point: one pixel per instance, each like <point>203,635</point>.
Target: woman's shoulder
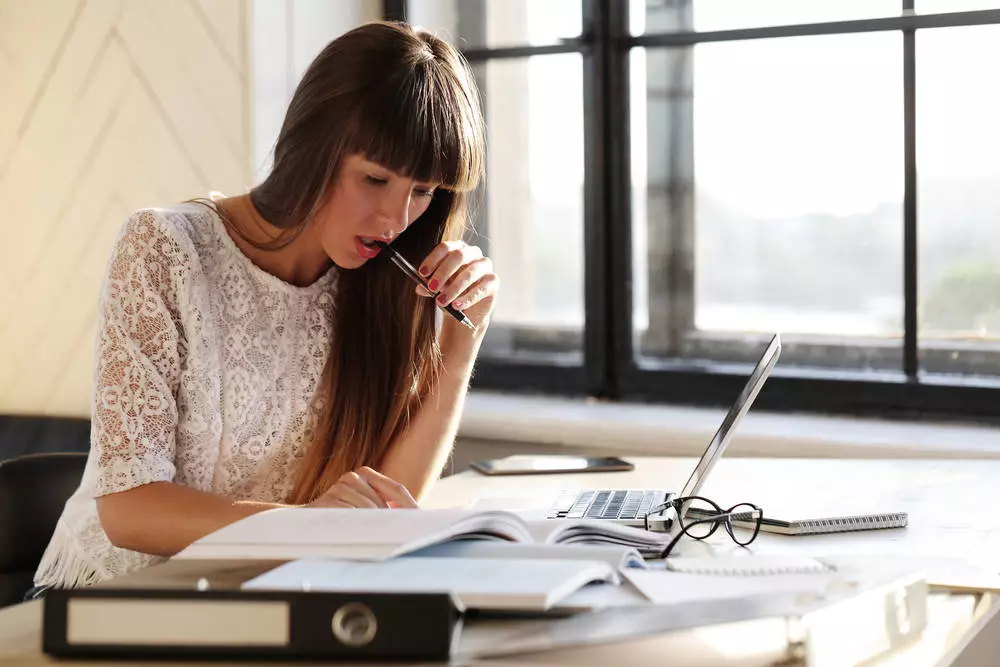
<point>178,229</point>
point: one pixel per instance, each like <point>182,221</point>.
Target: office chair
<point>33,490</point>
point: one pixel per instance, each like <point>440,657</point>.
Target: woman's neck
<point>301,262</point>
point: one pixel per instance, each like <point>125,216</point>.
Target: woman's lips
<point>367,252</point>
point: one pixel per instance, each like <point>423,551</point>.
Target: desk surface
<point>950,502</point>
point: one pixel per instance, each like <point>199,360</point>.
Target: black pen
<point>412,274</point>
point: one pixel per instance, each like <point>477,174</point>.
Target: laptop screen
<point>740,407</point>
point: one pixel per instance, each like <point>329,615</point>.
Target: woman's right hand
<point>365,488</point>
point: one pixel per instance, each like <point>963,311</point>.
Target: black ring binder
<point>233,624</point>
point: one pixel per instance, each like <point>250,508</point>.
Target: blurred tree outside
<point>966,300</point>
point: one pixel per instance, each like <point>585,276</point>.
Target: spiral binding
<point>754,566</point>
<point>850,523</point>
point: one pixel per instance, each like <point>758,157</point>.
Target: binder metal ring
<point>354,624</point>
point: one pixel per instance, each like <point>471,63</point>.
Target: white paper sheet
<point>515,584</point>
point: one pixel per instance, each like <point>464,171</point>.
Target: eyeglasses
<point>700,517</point>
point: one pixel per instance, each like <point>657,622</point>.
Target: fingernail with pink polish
<point>424,270</point>
<point>433,285</point>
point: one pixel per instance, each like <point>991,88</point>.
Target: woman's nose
<point>395,215</point>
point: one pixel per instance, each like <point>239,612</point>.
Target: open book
<point>377,534</point>
<point>518,584</point>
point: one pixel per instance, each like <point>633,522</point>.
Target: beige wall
<point>105,106</point>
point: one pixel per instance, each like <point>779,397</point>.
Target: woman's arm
<point>161,518</point>
<point>469,284</point>
<point>419,454</point>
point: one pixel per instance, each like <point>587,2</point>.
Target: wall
<point>113,105</point>
<point>287,35</point>
<point>108,106</point>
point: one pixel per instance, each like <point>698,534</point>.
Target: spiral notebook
<point>834,524</point>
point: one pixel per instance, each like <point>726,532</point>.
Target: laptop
<point>629,506</point>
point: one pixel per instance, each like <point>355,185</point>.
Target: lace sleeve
<point>137,358</point>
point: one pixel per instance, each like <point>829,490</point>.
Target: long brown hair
<point>407,100</point>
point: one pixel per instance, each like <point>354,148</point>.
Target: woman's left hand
<point>459,274</point>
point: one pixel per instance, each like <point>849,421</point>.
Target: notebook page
<point>665,587</point>
<point>363,534</point>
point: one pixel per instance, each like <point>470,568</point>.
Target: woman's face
<point>368,203</point>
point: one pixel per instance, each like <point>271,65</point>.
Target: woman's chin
<point>350,261</point>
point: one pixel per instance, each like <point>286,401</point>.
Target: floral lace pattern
<point>205,371</point>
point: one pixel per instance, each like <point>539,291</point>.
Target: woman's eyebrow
<point>368,164</point>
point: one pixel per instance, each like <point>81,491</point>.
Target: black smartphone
<point>532,464</point>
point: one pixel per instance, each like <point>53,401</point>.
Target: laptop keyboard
<point>604,504</point>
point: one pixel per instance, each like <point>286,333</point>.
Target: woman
<point>255,352</point>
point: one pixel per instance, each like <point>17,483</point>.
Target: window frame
<point>610,369</point>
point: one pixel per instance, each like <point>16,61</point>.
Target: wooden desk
<point>951,504</point>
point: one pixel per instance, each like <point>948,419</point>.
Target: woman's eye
<point>375,180</point>
<point>427,192</point>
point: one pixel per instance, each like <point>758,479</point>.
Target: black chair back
<point>33,491</point>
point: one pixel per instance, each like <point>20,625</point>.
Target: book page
<point>363,534</point>
<point>596,531</point>
<point>615,556</point>
<point>515,584</point>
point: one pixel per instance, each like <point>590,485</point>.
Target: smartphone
<point>532,464</point>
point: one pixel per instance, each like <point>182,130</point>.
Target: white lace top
<point>205,370</point>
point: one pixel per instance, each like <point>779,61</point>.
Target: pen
<point>412,274</point>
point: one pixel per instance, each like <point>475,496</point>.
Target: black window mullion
<point>596,280</point>
<point>497,52</point>
<point>792,390</point>
<point>910,289</point>
<point>607,261</point>
<point>618,218</point>
<point>394,10</point>
<point>907,21</point>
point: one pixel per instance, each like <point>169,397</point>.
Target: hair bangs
<point>427,132</point>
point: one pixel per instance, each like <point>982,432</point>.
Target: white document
<point>595,597</point>
<point>800,619</point>
<point>665,587</point>
<point>516,584</point>
<point>720,578</point>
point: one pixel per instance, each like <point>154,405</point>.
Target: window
<point>671,181</point>
<point>958,200</point>
<point>659,16</point>
<point>766,198</point>
<point>530,215</point>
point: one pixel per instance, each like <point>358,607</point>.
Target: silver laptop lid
<point>740,407</point>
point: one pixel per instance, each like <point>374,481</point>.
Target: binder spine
<point>852,523</point>
<point>352,626</point>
